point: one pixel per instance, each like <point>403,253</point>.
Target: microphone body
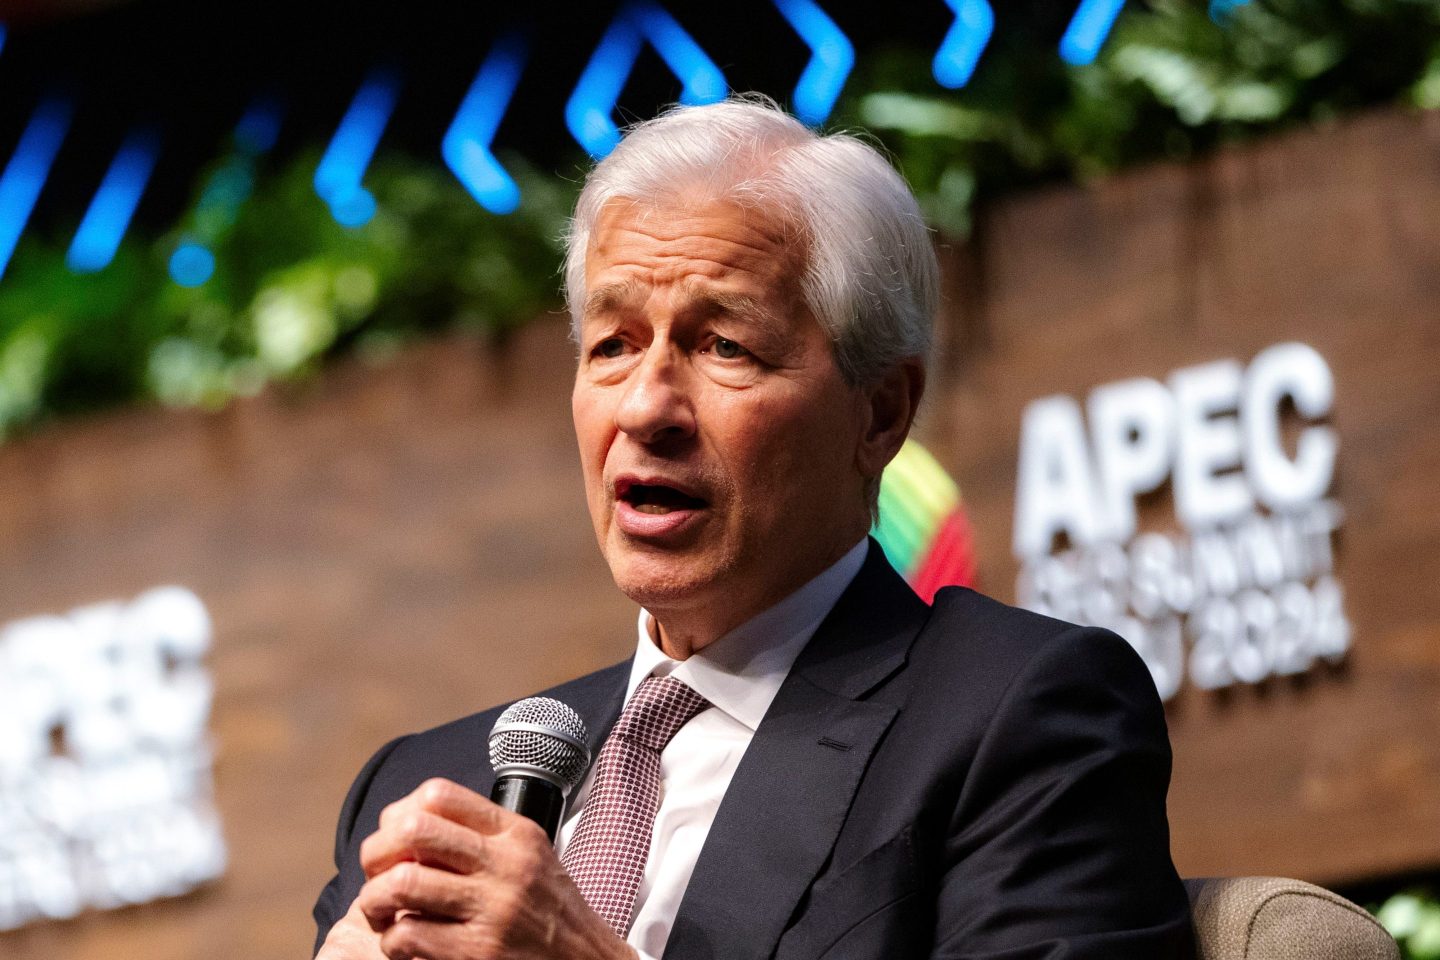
<point>538,750</point>
<point>531,797</point>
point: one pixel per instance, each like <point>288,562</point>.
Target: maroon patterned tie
<point>606,855</point>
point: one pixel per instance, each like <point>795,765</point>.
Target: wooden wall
<point>394,546</point>
<point>1330,238</point>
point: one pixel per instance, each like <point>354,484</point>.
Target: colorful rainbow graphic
<point>923,527</point>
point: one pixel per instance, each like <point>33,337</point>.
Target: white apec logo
<point>106,794</point>
<point>1252,590</point>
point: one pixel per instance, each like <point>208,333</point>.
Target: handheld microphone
<point>538,750</point>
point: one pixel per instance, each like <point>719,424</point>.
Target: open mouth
<point>657,498</point>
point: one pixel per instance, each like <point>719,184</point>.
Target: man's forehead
<point>713,257</point>
<point>724,233</point>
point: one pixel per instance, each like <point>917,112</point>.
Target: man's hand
<point>452,876</point>
<point>351,939</point>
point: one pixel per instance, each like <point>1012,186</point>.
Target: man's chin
<point>658,580</point>
<point>658,592</point>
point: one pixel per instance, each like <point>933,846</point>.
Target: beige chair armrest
<point>1271,918</point>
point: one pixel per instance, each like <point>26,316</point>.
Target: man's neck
<point>679,643</point>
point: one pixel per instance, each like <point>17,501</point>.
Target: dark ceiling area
<point>188,70</point>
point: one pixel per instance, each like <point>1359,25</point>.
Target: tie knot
<point>658,708</point>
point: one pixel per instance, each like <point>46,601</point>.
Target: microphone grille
<point>543,736</point>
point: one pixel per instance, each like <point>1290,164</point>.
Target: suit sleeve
<point>1059,845</point>
<point>335,898</point>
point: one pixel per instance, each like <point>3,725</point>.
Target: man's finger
<point>447,799</point>
<point>435,894</point>
<point>425,838</point>
<point>351,939</point>
<point>416,938</point>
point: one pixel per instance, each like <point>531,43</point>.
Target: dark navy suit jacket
<point>963,780</point>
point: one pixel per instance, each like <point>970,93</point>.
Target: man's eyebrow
<point>738,305</point>
<point>610,297</point>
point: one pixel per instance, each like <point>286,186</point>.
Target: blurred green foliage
<point>1413,919</point>
<point>1170,83</point>
<point>291,287</point>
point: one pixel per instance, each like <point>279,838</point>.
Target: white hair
<point>870,274</point>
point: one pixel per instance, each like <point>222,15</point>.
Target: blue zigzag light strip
<point>341,169</point>
<point>108,216</point>
<point>964,42</point>
<point>28,169</point>
<point>587,113</point>
<point>701,81</point>
<point>832,58</point>
<point>466,147</point>
<point>1088,29</point>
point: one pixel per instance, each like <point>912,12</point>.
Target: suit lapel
<point>789,797</point>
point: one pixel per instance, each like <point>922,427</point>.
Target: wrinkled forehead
<point>723,252</point>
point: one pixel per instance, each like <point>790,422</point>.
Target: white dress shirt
<point>739,674</point>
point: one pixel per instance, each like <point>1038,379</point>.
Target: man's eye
<point>610,348</point>
<point>728,349</point>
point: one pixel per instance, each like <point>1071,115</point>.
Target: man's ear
<point>890,406</point>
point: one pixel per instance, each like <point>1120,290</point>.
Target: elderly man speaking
<point>802,759</point>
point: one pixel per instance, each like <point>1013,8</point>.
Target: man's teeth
<point>658,499</point>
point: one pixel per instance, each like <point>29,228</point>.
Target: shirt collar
<point>741,672</point>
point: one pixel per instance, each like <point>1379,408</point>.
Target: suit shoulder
<point>991,641</point>
<point>962,612</point>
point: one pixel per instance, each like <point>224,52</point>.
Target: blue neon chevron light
<point>1088,29</point>
<point>701,81</point>
<point>832,57</point>
<point>466,147</point>
<point>108,216</point>
<point>587,113</point>
<point>28,169</point>
<point>341,169</point>
<point>964,42</point>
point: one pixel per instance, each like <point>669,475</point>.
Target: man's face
<point>717,436</point>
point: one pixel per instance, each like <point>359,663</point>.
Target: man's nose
<point>657,406</point>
